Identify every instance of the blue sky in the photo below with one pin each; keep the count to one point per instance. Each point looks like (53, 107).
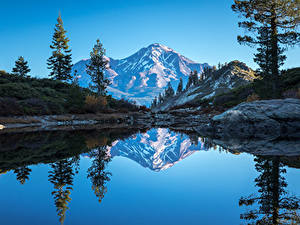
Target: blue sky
(204, 31)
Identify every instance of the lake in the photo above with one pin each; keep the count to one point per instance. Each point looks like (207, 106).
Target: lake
(155, 176)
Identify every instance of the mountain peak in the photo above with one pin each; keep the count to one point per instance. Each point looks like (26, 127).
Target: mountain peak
(160, 46)
(146, 73)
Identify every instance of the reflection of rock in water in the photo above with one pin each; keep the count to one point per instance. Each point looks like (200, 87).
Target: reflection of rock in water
(279, 147)
(273, 205)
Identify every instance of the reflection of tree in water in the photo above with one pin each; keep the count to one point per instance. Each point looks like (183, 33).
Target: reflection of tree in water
(275, 206)
(22, 174)
(62, 177)
(97, 172)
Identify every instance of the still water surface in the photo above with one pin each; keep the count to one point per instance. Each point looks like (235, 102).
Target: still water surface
(155, 177)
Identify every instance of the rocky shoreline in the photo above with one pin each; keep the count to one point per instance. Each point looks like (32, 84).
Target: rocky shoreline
(267, 119)
(66, 122)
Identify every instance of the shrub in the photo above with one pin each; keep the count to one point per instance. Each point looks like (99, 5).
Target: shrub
(95, 104)
(253, 97)
(291, 93)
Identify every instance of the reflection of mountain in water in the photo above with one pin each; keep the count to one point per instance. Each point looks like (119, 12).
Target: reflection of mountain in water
(158, 149)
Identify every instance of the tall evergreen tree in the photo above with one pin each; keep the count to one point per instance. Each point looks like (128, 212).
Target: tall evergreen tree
(21, 68)
(272, 25)
(60, 62)
(96, 69)
(180, 86)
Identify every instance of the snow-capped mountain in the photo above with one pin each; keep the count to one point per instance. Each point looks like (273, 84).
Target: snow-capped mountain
(158, 149)
(143, 75)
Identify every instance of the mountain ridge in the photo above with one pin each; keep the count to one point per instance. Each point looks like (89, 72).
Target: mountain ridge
(143, 75)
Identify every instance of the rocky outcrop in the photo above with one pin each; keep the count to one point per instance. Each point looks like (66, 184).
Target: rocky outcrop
(230, 76)
(260, 119)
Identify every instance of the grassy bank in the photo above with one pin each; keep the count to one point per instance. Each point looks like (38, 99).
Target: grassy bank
(33, 96)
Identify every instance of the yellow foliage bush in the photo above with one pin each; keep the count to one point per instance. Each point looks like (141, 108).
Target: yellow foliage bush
(93, 103)
(253, 97)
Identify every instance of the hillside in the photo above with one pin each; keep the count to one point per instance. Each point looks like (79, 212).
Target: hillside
(143, 75)
(33, 96)
(228, 77)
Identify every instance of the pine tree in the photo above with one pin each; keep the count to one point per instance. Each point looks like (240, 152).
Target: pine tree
(180, 86)
(190, 81)
(21, 68)
(273, 24)
(195, 80)
(96, 69)
(169, 91)
(263, 57)
(60, 63)
(160, 98)
(154, 103)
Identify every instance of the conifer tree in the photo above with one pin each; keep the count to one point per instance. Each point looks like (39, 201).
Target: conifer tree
(190, 81)
(195, 79)
(272, 25)
(96, 69)
(169, 91)
(21, 68)
(60, 62)
(180, 86)
(160, 98)
(154, 103)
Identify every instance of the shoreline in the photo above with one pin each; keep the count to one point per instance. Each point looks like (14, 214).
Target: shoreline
(66, 122)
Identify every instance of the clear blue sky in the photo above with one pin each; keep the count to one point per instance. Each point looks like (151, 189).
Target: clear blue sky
(204, 31)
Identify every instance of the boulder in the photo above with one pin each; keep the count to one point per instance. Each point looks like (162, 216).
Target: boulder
(260, 119)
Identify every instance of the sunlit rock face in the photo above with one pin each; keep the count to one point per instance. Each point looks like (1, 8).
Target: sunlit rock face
(158, 149)
(143, 75)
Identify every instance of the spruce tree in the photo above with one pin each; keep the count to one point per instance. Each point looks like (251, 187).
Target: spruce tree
(180, 86)
(96, 69)
(21, 68)
(272, 25)
(60, 62)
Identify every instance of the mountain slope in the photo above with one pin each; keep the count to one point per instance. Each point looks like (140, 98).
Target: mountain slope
(230, 76)
(143, 75)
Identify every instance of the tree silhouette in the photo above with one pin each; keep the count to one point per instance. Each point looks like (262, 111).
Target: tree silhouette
(275, 206)
(22, 174)
(97, 172)
(62, 177)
